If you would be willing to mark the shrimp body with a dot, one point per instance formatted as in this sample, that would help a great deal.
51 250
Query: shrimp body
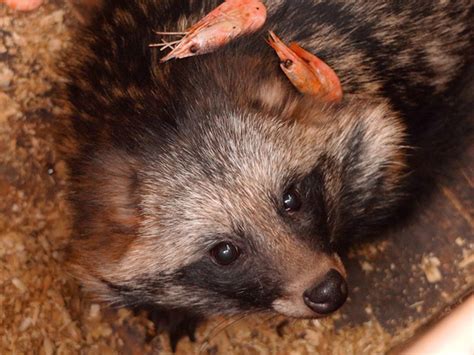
309 74
229 20
22 5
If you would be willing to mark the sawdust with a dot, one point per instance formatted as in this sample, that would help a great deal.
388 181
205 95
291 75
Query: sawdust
430 265
43 311
467 260
370 251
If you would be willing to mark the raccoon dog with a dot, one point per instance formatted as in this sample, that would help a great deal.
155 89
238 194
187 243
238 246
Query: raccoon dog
210 185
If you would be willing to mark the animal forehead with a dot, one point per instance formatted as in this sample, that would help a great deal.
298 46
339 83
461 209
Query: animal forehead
248 221
251 144
232 205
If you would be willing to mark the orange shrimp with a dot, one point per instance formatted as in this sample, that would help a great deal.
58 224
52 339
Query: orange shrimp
227 21
309 74
22 5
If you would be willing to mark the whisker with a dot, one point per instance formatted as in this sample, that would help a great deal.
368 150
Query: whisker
271 317
218 329
170 33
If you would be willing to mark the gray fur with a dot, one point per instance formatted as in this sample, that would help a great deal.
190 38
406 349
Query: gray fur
150 205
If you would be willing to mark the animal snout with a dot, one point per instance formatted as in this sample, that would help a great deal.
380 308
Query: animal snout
328 295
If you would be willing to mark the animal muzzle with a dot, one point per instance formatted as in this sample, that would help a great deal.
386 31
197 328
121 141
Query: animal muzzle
328 294
318 289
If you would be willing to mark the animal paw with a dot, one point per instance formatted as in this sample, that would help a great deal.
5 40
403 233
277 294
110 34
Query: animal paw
177 323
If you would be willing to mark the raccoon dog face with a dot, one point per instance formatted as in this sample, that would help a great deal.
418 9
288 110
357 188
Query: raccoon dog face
236 210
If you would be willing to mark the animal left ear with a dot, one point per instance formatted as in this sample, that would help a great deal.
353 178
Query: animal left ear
309 74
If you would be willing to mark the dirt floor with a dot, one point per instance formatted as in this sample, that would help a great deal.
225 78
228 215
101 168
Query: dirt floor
397 284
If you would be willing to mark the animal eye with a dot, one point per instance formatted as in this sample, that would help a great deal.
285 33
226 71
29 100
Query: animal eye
291 201
225 253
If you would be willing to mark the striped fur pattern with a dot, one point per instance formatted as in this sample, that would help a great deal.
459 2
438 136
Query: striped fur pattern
168 159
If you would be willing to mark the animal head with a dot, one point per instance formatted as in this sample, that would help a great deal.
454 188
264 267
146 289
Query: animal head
236 209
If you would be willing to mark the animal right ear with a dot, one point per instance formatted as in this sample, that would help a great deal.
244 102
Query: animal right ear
85 10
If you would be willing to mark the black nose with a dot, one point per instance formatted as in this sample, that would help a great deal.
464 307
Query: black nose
328 295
